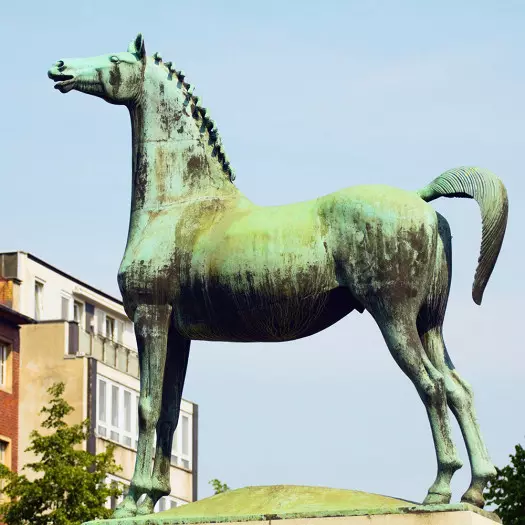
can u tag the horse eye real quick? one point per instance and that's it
(115, 59)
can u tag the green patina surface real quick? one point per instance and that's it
(203, 262)
(287, 502)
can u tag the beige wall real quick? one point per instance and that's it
(181, 482)
(42, 363)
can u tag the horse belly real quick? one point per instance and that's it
(268, 321)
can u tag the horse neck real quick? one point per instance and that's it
(172, 160)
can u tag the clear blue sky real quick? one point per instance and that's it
(309, 97)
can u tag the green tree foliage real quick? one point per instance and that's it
(507, 490)
(70, 487)
(218, 487)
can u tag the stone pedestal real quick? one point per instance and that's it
(459, 517)
(310, 506)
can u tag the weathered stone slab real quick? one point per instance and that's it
(310, 506)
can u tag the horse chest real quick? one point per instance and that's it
(153, 272)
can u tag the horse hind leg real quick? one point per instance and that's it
(460, 399)
(459, 394)
(402, 338)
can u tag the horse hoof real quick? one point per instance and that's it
(433, 498)
(124, 513)
(474, 497)
(146, 507)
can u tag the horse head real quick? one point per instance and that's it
(148, 83)
(117, 78)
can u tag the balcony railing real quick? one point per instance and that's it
(109, 352)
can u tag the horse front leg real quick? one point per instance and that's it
(151, 330)
(174, 376)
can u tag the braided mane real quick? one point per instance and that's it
(200, 113)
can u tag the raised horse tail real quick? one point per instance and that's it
(491, 196)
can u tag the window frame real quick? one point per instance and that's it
(179, 458)
(100, 321)
(3, 450)
(39, 298)
(6, 367)
(81, 304)
(7, 459)
(106, 428)
(65, 296)
(4, 351)
(5, 444)
(111, 321)
(111, 503)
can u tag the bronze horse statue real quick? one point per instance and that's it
(203, 262)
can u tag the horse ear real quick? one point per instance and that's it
(137, 47)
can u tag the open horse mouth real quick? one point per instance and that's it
(63, 83)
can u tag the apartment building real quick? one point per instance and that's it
(83, 337)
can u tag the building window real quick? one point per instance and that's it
(120, 332)
(90, 317)
(100, 317)
(110, 328)
(65, 308)
(39, 295)
(127, 417)
(4, 362)
(112, 502)
(5, 460)
(3, 452)
(116, 412)
(181, 448)
(117, 420)
(102, 422)
(78, 313)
